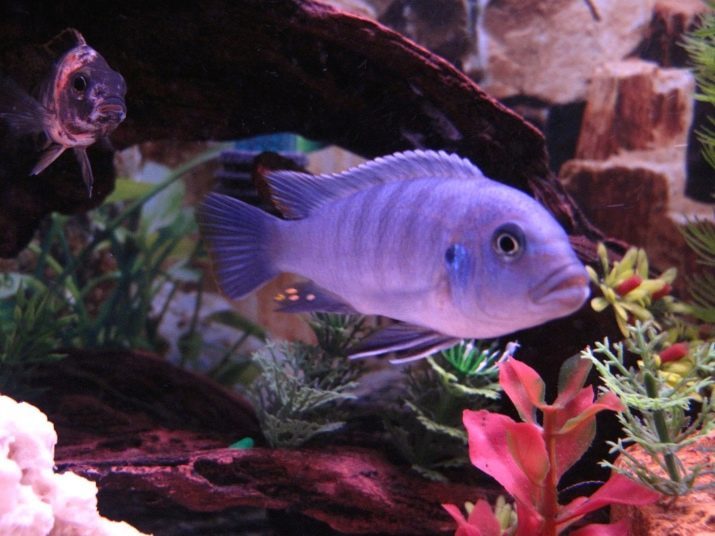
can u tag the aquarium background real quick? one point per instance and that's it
(196, 414)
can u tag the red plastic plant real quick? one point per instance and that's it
(529, 458)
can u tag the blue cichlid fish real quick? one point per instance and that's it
(422, 237)
(80, 102)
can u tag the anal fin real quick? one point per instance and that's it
(307, 297)
(406, 341)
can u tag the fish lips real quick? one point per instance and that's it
(112, 111)
(566, 287)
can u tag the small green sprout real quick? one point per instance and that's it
(469, 358)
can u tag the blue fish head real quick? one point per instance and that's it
(520, 270)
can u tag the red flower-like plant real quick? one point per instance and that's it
(529, 458)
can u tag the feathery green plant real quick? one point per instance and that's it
(429, 432)
(301, 387)
(700, 45)
(668, 400)
(700, 236)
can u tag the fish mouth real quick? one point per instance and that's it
(111, 111)
(567, 286)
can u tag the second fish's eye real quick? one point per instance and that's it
(508, 241)
(79, 82)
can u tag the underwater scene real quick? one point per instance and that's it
(378, 267)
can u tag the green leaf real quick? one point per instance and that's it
(244, 443)
(126, 189)
(190, 345)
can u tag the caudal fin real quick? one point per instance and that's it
(239, 239)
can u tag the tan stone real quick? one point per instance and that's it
(635, 105)
(549, 48)
(672, 20)
(690, 515)
(639, 197)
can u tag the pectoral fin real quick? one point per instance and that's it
(307, 297)
(23, 113)
(406, 341)
(86, 167)
(48, 156)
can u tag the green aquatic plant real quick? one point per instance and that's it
(300, 389)
(668, 399)
(627, 287)
(290, 407)
(336, 333)
(700, 45)
(111, 270)
(428, 431)
(30, 328)
(700, 236)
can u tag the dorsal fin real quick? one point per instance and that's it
(299, 194)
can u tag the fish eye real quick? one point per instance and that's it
(79, 82)
(508, 241)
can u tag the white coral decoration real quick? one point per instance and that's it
(34, 500)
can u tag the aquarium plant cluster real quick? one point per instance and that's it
(105, 281)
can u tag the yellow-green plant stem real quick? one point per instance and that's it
(662, 428)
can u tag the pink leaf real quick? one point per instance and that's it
(463, 526)
(618, 490)
(523, 386)
(527, 448)
(607, 401)
(572, 376)
(597, 529)
(572, 445)
(576, 434)
(483, 517)
(529, 521)
(481, 522)
(488, 451)
(575, 407)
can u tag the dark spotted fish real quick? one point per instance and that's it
(80, 102)
(422, 237)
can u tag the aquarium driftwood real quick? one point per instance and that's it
(352, 490)
(225, 70)
(119, 396)
(156, 436)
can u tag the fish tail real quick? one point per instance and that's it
(240, 237)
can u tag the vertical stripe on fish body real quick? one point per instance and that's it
(379, 246)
